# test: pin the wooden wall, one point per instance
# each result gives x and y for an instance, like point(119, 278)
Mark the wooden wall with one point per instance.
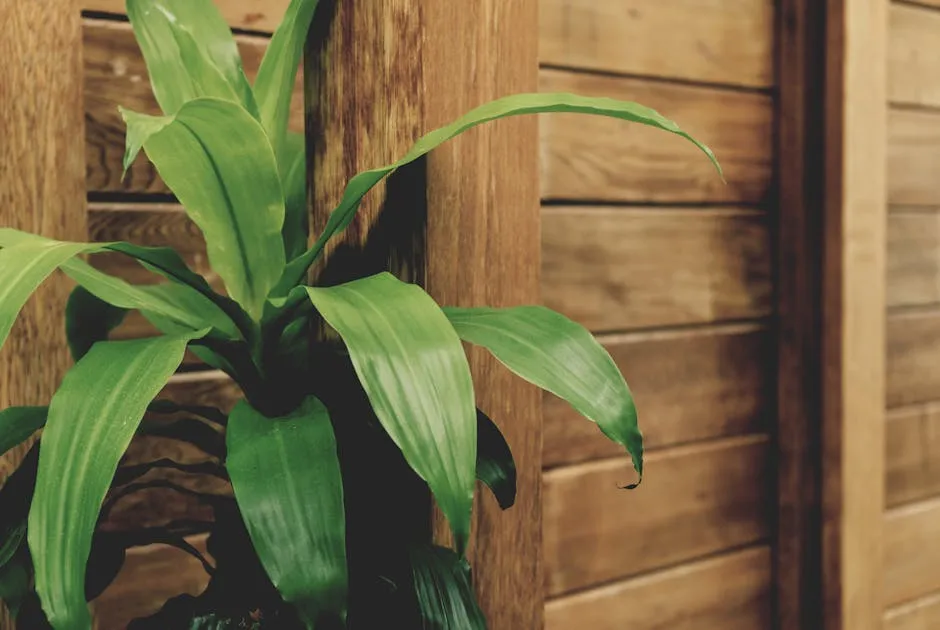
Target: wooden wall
point(912, 520)
point(645, 245)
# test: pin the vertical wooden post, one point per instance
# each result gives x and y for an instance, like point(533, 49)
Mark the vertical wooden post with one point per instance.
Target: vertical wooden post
point(386, 73)
point(42, 181)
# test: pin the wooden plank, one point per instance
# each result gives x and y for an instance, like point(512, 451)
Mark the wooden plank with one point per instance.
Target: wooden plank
point(913, 157)
point(41, 186)
point(731, 592)
point(923, 614)
point(618, 268)
point(385, 74)
point(601, 159)
point(913, 258)
point(853, 314)
point(717, 41)
point(911, 552)
point(690, 385)
point(913, 454)
point(115, 75)
point(695, 501)
point(913, 345)
point(253, 15)
point(913, 65)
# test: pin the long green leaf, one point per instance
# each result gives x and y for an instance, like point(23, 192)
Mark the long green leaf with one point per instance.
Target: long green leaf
point(515, 105)
point(562, 357)
point(217, 160)
point(288, 485)
point(495, 465)
point(444, 592)
point(88, 320)
point(415, 373)
point(292, 161)
point(18, 423)
point(92, 418)
point(189, 51)
point(14, 585)
point(278, 72)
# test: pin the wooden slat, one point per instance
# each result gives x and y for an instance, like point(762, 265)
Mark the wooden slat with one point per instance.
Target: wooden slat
point(618, 268)
point(913, 349)
point(913, 454)
point(115, 75)
point(689, 385)
point(695, 501)
point(254, 15)
point(913, 65)
point(913, 157)
point(719, 41)
point(913, 258)
point(601, 159)
point(731, 592)
point(923, 3)
point(923, 614)
point(911, 552)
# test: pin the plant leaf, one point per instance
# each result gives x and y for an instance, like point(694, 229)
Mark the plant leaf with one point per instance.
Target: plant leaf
point(562, 357)
point(189, 51)
point(446, 600)
point(495, 465)
point(514, 105)
point(18, 423)
point(274, 85)
point(414, 371)
point(288, 485)
point(217, 160)
point(92, 418)
point(88, 320)
point(292, 161)
point(14, 585)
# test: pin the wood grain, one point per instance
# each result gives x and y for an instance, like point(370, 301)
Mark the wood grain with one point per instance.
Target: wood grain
point(41, 186)
point(913, 454)
point(913, 67)
point(617, 268)
point(913, 158)
point(730, 592)
point(602, 159)
point(922, 614)
point(717, 41)
point(689, 385)
point(913, 345)
point(115, 75)
point(913, 258)
point(853, 312)
point(254, 15)
point(911, 552)
point(388, 72)
point(695, 501)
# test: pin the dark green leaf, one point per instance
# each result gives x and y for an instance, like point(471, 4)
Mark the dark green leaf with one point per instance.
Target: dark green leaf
point(514, 105)
point(562, 357)
point(14, 584)
point(414, 371)
point(92, 418)
point(495, 465)
point(10, 542)
point(446, 600)
point(18, 423)
point(292, 161)
point(288, 485)
point(88, 320)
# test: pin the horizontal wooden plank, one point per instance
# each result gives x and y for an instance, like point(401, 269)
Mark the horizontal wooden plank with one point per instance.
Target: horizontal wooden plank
point(911, 552)
point(625, 268)
point(730, 592)
point(254, 15)
point(115, 75)
point(913, 157)
point(913, 368)
point(150, 576)
point(913, 454)
point(695, 501)
point(602, 159)
point(913, 65)
point(913, 258)
point(922, 614)
point(719, 41)
point(689, 385)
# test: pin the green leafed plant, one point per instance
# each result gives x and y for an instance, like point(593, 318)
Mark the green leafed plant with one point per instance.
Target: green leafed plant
point(316, 536)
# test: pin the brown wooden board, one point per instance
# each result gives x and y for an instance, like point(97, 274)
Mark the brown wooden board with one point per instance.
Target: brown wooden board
point(614, 269)
point(913, 258)
point(601, 159)
point(729, 592)
point(696, 500)
point(913, 158)
point(921, 614)
point(911, 552)
point(913, 65)
point(689, 385)
point(913, 454)
point(913, 346)
point(254, 15)
point(716, 41)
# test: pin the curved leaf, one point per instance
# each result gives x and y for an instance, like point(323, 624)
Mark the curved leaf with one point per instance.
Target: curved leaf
point(189, 51)
point(414, 371)
point(495, 465)
point(514, 105)
point(88, 320)
point(562, 357)
point(14, 585)
point(217, 159)
point(92, 418)
point(292, 160)
point(18, 423)
point(288, 485)
point(444, 591)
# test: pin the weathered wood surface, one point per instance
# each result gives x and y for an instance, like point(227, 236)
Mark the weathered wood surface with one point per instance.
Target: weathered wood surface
point(912, 454)
point(696, 500)
point(253, 15)
point(913, 65)
point(912, 369)
point(913, 159)
point(921, 614)
point(913, 257)
point(730, 592)
point(602, 159)
point(911, 552)
point(715, 41)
